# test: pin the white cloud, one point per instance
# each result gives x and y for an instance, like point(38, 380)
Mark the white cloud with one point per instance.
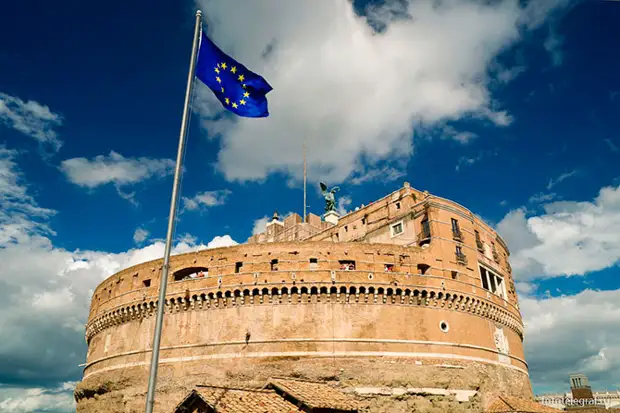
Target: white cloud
point(31, 118)
point(114, 169)
point(222, 241)
point(260, 225)
point(553, 182)
point(37, 399)
point(569, 334)
point(542, 197)
point(507, 75)
point(140, 235)
point(206, 199)
point(45, 293)
point(381, 173)
point(569, 238)
point(355, 94)
point(343, 203)
point(553, 45)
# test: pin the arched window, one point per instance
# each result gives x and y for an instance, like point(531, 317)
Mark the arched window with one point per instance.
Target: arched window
point(191, 272)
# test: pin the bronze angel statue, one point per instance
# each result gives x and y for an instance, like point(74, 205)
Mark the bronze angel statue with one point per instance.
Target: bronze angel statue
point(330, 199)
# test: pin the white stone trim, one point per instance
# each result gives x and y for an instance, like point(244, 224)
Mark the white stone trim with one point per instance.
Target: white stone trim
point(309, 354)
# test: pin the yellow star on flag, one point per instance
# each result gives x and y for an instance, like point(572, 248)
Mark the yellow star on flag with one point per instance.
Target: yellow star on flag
point(223, 66)
point(233, 69)
point(242, 102)
point(222, 90)
point(234, 105)
point(218, 79)
point(227, 101)
point(246, 95)
point(217, 70)
point(241, 78)
point(243, 85)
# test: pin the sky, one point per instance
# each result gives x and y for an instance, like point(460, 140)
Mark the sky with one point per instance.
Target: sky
point(508, 108)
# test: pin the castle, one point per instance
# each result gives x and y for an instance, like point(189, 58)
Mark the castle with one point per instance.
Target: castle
point(409, 295)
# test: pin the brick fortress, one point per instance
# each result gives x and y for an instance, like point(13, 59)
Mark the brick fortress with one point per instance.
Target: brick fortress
point(409, 295)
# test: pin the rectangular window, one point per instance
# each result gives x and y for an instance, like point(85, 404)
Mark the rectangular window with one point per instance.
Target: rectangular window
point(274, 265)
point(346, 228)
point(454, 275)
point(397, 229)
point(364, 221)
point(455, 225)
point(459, 250)
point(388, 267)
point(426, 229)
point(492, 282)
point(398, 205)
point(146, 283)
point(314, 264)
point(483, 277)
point(238, 266)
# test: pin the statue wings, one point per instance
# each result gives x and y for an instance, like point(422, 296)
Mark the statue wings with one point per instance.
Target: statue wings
point(323, 186)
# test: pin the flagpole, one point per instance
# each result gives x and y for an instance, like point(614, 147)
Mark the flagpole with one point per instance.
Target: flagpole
point(305, 181)
point(150, 395)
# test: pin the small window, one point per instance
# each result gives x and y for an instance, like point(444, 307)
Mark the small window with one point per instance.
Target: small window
point(314, 264)
point(455, 274)
point(397, 229)
point(459, 250)
point(346, 228)
point(363, 220)
point(455, 225)
point(274, 265)
point(398, 205)
point(388, 267)
point(423, 268)
point(146, 283)
point(238, 266)
point(347, 265)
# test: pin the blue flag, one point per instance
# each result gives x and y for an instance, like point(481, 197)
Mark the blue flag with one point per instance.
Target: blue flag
point(240, 90)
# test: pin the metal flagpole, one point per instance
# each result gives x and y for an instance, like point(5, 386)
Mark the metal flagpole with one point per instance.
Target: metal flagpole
point(150, 395)
point(305, 181)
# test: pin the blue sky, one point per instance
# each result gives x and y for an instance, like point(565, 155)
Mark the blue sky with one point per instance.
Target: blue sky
point(509, 109)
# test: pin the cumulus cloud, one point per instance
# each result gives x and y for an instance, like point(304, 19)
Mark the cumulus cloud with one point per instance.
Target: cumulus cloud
point(356, 94)
point(140, 235)
point(260, 225)
point(31, 118)
point(114, 169)
point(45, 292)
point(19, 400)
point(344, 202)
point(569, 334)
point(206, 200)
point(569, 238)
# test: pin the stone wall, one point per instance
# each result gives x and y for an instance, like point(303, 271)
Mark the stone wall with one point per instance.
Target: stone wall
point(361, 295)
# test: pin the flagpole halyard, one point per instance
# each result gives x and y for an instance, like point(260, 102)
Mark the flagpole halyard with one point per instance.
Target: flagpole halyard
point(150, 395)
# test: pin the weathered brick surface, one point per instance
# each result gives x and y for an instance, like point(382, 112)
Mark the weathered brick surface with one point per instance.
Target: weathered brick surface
point(289, 307)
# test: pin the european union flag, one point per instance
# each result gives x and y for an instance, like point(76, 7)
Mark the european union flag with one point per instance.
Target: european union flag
point(240, 90)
